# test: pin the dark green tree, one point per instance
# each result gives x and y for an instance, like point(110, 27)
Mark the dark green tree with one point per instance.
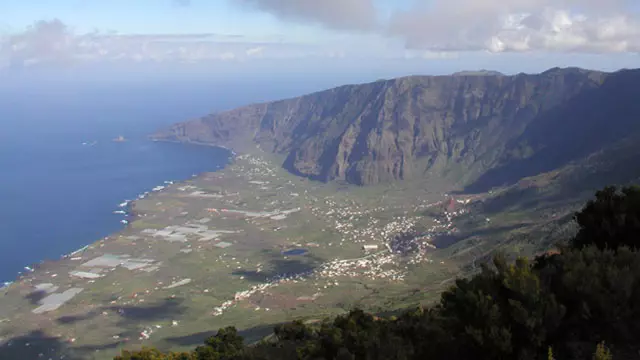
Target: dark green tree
point(501, 313)
point(601, 292)
point(611, 220)
point(148, 353)
point(225, 344)
point(294, 331)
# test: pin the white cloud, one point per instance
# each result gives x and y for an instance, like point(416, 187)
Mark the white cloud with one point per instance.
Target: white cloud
point(589, 26)
point(53, 42)
point(256, 51)
point(520, 25)
point(44, 41)
point(430, 30)
point(227, 56)
point(336, 14)
point(439, 55)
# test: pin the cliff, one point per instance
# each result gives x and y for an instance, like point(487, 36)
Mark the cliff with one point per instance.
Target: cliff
point(479, 130)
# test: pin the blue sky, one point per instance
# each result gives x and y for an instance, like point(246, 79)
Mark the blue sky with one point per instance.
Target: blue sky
point(482, 32)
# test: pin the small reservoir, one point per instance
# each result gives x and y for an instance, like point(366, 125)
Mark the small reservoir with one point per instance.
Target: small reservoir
point(295, 252)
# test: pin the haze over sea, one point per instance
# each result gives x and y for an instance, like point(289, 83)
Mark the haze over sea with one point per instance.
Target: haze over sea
point(58, 195)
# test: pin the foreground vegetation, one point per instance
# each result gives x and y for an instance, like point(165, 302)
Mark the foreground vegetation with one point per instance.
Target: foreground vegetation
point(580, 302)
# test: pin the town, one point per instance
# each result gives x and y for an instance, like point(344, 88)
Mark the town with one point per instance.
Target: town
point(246, 239)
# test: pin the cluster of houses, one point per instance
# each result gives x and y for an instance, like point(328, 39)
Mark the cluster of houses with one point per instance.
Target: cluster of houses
point(261, 288)
point(258, 166)
point(378, 264)
point(375, 266)
point(348, 221)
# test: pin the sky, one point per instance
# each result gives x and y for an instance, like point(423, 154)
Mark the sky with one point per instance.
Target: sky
point(436, 35)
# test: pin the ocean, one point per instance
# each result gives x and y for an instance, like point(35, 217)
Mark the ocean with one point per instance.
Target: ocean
point(62, 176)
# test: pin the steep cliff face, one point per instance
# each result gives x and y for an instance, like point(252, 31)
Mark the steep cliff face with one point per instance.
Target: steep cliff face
point(479, 130)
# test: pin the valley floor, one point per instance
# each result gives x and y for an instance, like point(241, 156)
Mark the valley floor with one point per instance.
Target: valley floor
point(250, 246)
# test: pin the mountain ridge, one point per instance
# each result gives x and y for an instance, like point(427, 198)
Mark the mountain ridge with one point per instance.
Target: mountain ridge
point(479, 131)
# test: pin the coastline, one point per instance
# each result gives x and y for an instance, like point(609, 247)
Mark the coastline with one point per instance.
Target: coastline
point(199, 143)
point(130, 214)
point(133, 215)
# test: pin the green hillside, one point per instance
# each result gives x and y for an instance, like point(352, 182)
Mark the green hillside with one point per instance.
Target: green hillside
point(578, 302)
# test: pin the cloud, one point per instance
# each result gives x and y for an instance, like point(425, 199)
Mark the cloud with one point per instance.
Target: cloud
point(438, 55)
point(590, 26)
point(335, 14)
point(587, 26)
point(227, 56)
point(256, 51)
point(52, 42)
point(43, 41)
point(428, 30)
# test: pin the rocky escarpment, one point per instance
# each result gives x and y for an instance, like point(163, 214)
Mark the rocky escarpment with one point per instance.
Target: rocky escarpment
point(477, 130)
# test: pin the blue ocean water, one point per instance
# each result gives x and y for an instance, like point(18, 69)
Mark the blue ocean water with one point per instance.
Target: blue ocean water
point(56, 194)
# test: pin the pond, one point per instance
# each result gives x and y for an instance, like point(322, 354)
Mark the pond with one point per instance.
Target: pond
point(295, 252)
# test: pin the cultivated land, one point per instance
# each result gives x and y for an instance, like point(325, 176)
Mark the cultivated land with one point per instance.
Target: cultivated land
point(213, 251)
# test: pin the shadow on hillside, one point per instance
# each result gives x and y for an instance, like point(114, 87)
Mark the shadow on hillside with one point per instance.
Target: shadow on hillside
point(574, 129)
point(250, 335)
point(516, 200)
point(279, 266)
point(511, 200)
point(163, 310)
point(90, 349)
point(283, 267)
point(72, 319)
point(446, 240)
point(34, 297)
point(193, 340)
point(30, 346)
point(252, 275)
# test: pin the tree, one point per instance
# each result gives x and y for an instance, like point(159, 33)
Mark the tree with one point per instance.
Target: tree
point(611, 220)
point(294, 331)
point(601, 292)
point(148, 353)
point(501, 313)
point(225, 344)
point(144, 354)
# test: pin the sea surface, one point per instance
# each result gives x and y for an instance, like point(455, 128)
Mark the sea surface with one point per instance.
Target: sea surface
point(62, 176)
